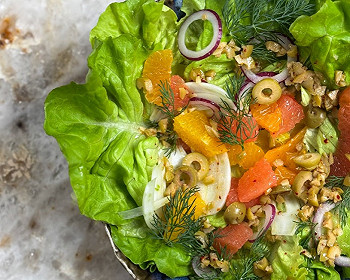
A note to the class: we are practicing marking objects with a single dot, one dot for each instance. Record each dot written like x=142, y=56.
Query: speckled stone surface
x=43, y=44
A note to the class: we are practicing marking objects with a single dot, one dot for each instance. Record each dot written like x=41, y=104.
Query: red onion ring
x=342, y=261
x=255, y=78
x=215, y=20
x=244, y=89
x=285, y=42
x=270, y=213
x=319, y=216
x=208, y=104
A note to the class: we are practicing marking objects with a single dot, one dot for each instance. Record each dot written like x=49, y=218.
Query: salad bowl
x=212, y=139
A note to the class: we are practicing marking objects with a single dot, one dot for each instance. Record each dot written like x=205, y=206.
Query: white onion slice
x=319, y=217
x=210, y=92
x=138, y=211
x=204, y=104
x=342, y=261
x=285, y=222
x=215, y=20
x=270, y=213
x=204, y=272
x=215, y=194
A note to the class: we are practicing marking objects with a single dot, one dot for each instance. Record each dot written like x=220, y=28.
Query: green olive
x=185, y=175
x=281, y=189
x=298, y=185
x=199, y=162
x=308, y=160
x=235, y=213
x=347, y=181
x=315, y=117
x=267, y=91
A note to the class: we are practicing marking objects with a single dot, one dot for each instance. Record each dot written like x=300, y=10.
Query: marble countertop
x=44, y=44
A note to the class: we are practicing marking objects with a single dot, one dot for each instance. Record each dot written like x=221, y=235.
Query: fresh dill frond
x=343, y=206
x=334, y=181
x=236, y=125
x=305, y=228
x=260, y=52
x=168, y=101
x=178, y=223
x=247, y=19
x=242, y=267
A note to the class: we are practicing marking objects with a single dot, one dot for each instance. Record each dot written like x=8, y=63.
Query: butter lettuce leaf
x=287, y=262
x=325, y=37
x=323, y=139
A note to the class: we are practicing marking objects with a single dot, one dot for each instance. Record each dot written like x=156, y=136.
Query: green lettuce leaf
x=287, y=262
x=323, y=139
x=324, y=272
x=150, y=21
x=326, y=38
x=343, y=240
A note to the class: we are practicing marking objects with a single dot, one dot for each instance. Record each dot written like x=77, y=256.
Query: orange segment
x=256, y=181
x=191, y=128
x=267, y=116
x=198, y=205
x=245, y=158
x=157, y=68
x=283, y=173
x=287, y=151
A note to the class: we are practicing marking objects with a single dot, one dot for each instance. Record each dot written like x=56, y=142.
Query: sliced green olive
x=267, y=91
x=299, y=182
x=308, y=160
x=347, y=181
x=185, y=175
x=315, y=117
x=235, y=213
x=199, y=162
x=281, y=189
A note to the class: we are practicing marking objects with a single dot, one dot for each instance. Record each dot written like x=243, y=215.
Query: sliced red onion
x=342, y=261
x=215, y=20
x=255, y=78
x=319, y=217
x=245, y=88
x=286, y=42
x=266, y=74
x=202, y=103
x=270, y=213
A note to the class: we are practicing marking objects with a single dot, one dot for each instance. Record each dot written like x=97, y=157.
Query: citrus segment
x=157, y=68
x=233, y=195
x=181, y=92
x=287, y=151
x=292, y=113
x=256, y=181
x=267, y=116
x=284, y=173
x=246, y=157
x=232, y=238
x=191, y=128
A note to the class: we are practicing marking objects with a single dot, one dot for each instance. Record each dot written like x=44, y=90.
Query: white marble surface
x=42, y=234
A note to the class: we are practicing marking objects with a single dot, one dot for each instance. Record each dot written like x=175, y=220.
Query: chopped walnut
x=340, y=79
x=306, y=212
x=276, y=48
x=262, y=268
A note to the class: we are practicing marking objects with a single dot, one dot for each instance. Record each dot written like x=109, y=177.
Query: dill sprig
x=242, y=267
x=334, y=181
x=247, y=19
x=178, y=224
x=168, y=101
x=305, y=228
x=343, y=206
x=236, y=125
x=168, y=108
